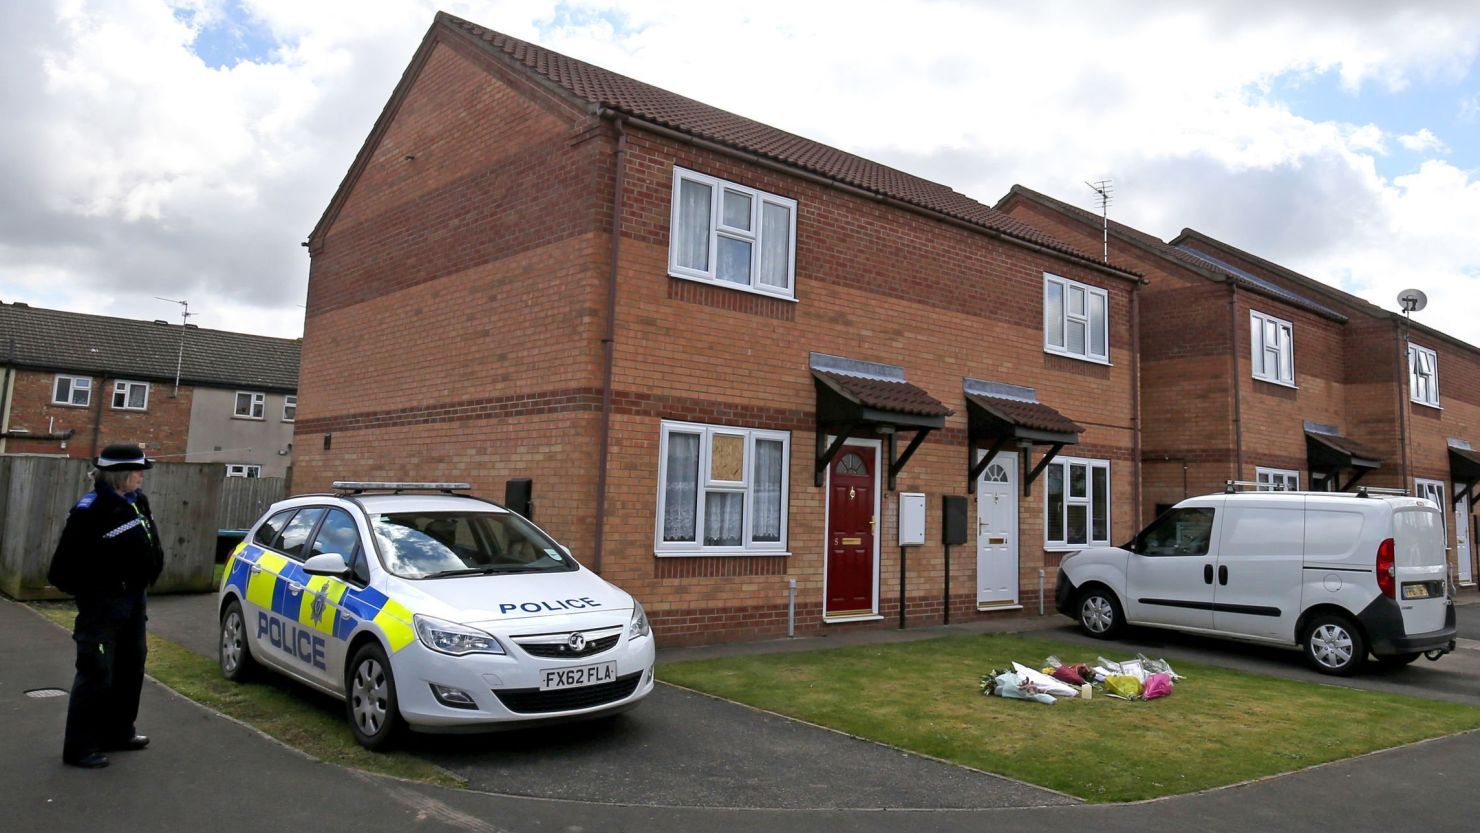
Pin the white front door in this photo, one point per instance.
(997, 532)
(1462, 535)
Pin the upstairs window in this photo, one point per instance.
(731, 235)
(721, 490)
(1423, 375)
(290, 408)
(130, 396)
(250, 405)
(1076, 319)
(1274, 348)
(72, 390)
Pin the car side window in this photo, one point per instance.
(297, 531)
(359, 568)
(267, 534)
(1186, 531)
(337, 534)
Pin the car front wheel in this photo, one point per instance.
(1099, 613)
(370, 698)
(1333, 645)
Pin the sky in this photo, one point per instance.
(184, 149)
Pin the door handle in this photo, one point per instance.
(295, 588)
(256, 569)
(1207, 574)
(1222, 575)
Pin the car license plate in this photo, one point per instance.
(1415, 591)
(577, 676)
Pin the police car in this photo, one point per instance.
(419, 606)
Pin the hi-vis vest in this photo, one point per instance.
(271, 588)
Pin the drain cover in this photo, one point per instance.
(43, 693)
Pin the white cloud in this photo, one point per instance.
(134, 170)
(1423, 141)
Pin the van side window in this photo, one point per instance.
(1186, 531)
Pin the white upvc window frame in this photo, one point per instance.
(1063, 466)
(256, 405)
(122, 387)
(707, 484)
(1423, 375)
(290, 407)
(243, 470)
(75, 385)
(1069, 316)
(754, 235)
(1262, 329)
(1276, 480)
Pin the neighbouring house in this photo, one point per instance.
(1253, 372)
(73, 383)
(722, 352)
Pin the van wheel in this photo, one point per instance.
(370, 698)
(1333, 645)
(235, 654)
(1099, 613)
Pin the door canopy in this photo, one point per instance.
(998, 414)
(1330, 453)
(1464, 467)
(855, 397)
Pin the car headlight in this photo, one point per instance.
(450, 638)
(639, 626)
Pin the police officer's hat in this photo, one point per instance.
(123, 457)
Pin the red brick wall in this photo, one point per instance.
(163, 427)
(472, 351)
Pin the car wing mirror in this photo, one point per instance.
(326, 564)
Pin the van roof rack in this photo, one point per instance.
(1369, 491)
(359, 487)
(1234, 486)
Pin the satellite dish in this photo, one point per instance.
(1412, 300)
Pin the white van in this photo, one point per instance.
(1339, 574)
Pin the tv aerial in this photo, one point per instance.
(1412, 300)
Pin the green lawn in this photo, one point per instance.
(285, 710)
(1218, 727)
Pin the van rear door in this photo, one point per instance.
(1420, 567)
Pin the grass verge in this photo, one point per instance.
(1219, 727)
(293, 714)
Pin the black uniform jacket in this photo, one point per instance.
(112, 548)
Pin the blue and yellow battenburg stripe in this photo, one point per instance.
(269, 590)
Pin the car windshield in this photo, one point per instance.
(445, 544)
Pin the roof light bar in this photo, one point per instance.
(398, 486)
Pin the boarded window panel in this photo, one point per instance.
(727, 458)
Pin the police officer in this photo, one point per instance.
(108, 555)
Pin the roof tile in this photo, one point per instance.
(1032, 415)
(900, 397)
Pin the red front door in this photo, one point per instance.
(850, 532)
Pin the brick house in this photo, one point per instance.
(1253, 372)
(73, 383)
(721, 351)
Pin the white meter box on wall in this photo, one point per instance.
(911, 519)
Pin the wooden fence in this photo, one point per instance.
(37, 492)
(244, 499)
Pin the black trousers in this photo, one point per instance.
(110, 677)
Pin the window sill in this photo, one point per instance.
(716, 554)
(1086, 359)
(1433, 405)
(248, 418)
(70, 405)
(1290, 385)
(135, 410)
(749, 290)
